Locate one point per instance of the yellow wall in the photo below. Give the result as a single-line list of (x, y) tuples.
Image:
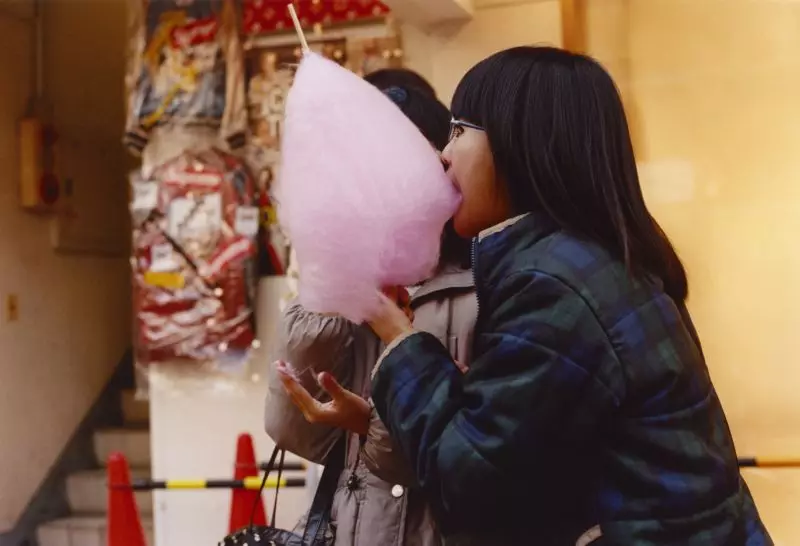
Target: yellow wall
[(712, 87), (73, 311), (713, 93)]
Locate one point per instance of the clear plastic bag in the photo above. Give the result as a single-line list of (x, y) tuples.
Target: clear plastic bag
[(195, 222), (184, 68)]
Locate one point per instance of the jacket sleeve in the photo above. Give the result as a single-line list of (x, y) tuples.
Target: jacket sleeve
[(383, 457), (483, 440), (308, 340)]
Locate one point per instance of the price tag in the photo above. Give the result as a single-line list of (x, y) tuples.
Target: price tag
[(145, 196), (162, 258), (247, 219), (173, 281), (195, 218)]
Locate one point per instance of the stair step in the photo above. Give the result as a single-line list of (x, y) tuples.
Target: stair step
[(135, 411), (134, 443), (88, 495), (82, 531)]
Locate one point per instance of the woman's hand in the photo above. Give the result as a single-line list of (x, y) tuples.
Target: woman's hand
[(390, 321), (399, 295), (346, 409)]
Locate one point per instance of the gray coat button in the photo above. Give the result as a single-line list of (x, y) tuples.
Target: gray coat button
[(397, 491)]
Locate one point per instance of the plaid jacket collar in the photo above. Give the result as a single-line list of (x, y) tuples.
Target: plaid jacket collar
[(495, 253), (497, 228)]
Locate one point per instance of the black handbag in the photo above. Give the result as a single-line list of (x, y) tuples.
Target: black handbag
[(316, 529)]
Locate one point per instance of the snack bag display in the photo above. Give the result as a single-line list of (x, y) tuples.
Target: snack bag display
[(194, 244), (185, 68)]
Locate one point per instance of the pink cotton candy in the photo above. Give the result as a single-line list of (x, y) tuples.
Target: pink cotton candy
[(362, 194)]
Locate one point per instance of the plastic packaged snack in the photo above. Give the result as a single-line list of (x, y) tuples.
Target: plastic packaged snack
[(195, 222), (185, 68)]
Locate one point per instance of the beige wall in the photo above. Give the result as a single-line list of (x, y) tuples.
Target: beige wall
[(443, 55), (712, 88), (73, 322)]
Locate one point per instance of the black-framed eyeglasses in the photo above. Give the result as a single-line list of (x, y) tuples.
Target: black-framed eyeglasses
[(457, 127)]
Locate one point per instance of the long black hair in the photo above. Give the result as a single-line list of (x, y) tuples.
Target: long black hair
[(560, 140)]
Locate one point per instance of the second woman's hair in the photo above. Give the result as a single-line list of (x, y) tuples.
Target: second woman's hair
[(560, 140), (401, 77), (425, 111), (432, 118)]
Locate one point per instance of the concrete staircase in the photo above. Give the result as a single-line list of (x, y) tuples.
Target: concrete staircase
[(86, 491)]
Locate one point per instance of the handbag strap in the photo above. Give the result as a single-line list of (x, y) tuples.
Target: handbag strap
[(267, 471), (320, 513), (278, 486)]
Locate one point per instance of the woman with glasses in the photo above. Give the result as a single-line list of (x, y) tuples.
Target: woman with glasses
[(587, 415), (323, 394)]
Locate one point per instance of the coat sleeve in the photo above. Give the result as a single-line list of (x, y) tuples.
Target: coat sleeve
[(383, 457), (380, 452), (308, 340), (480, 441)]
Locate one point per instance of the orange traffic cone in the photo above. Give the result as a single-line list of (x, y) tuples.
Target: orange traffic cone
[(242, 500), (124, 525)]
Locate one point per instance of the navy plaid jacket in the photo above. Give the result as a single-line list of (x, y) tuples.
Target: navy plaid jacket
[(587, 402)]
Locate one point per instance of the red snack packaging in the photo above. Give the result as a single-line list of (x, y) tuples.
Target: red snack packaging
[(194, 244)]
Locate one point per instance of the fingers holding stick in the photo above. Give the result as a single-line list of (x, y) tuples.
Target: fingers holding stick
[(400, 296), (345, 409), (312, 409)]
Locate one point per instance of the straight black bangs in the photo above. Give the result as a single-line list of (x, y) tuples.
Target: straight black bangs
[(473, 93), (491, 88)]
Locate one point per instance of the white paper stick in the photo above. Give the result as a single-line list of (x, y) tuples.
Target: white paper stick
[(298, 28)]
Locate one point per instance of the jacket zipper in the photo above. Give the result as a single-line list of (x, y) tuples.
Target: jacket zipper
[(474, 264)]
